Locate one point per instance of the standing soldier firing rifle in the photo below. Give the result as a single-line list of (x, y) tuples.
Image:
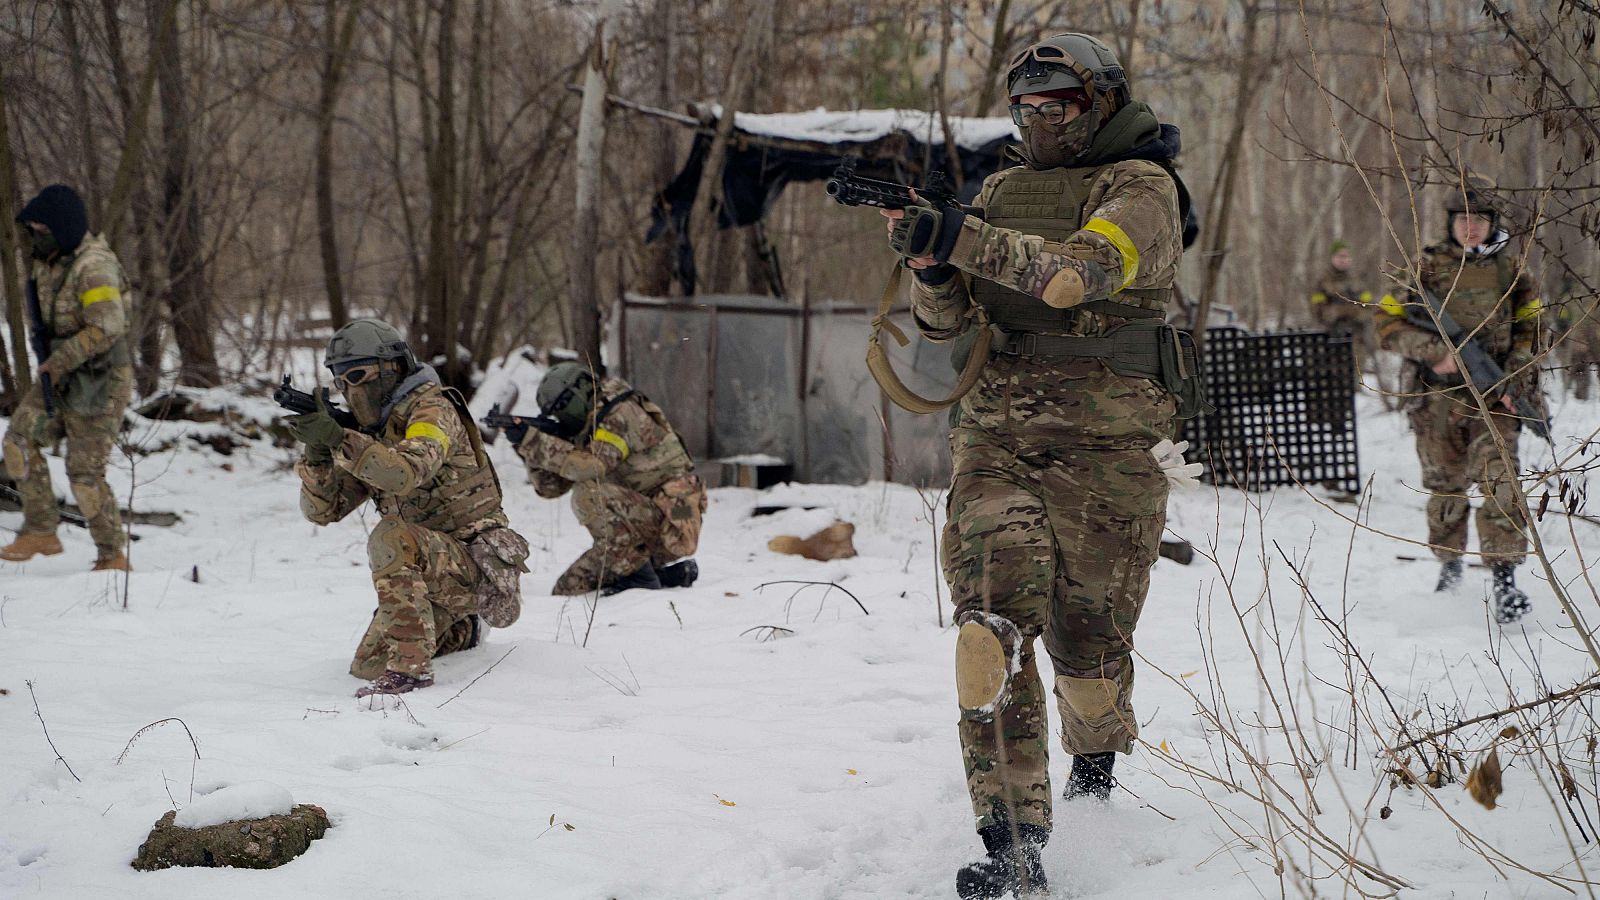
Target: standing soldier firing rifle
[(1062, 447)]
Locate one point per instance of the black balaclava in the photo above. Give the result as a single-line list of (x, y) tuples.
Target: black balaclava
[(61, 210)]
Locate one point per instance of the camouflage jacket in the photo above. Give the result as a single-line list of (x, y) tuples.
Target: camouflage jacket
[(628, 442), (83, 301), (424, 467), (1048, 407), (1485, 293), (1336, 299), (1131, 238)]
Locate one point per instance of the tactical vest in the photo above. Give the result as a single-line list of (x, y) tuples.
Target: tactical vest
[(646, 469), (1051, 203), (1479, 293), (465, 491)]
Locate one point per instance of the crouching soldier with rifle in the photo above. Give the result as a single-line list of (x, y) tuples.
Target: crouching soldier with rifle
[(633, 485), (80, 335), (443, 552), (1490, 314)]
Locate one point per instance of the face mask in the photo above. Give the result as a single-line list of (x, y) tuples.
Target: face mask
[(366, 400), (44, 245), (1050, 146)]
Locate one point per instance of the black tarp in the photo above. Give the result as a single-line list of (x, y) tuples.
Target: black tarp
[(758, 168)]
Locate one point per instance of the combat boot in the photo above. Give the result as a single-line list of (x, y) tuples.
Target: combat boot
[(395, 683), (644, 577), (1449, 575), (1510, 602), (1091, 777), (28, 545), (682, 573), (1011, 867), (118, 563)]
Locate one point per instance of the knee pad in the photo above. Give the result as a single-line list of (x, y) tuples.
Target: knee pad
[(16, 456), (392, 546), (1450, 507), (988, 654), (1091, 698), (91, 497)]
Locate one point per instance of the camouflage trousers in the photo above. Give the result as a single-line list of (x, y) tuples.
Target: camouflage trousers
[(426, 587), (1059, 548), (89, 441), (1457, 450), (630, 529)]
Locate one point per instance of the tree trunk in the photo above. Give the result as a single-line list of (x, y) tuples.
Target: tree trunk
[(661, 257), (186, 292), (130, 179), (337, 38), (18, 381), (584, 300), (708, 199), (441, 263), (90, 188), (1227, 171), (999, 52)]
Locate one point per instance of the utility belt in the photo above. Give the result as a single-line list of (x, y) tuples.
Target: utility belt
[(1143, 349), (1162, 353)]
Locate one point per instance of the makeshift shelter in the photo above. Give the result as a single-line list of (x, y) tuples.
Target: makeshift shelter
[(767, 152), (747, 376)]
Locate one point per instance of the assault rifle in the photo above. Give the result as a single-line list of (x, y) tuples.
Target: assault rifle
[(1486, 374), (851, 189), (498, 421), (300, 403), (14, 501), (39, 337)]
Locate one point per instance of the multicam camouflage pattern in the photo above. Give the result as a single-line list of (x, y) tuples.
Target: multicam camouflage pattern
[(633, 488), (1458, 450), (83, 305), (424, 468), (1489, 297), (1056, 504), (1340, 306), (1138, 198), (426, 586)]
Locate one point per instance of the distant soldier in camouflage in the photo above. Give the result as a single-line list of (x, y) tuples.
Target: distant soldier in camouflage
[(1575, 335), (1057, 502), (1341, 306), (633, 485), (85, 312), (443, 549), (1480, 281)]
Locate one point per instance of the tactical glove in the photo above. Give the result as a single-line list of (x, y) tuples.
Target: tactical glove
[(1169, 457), (318, 431), (515, 432), (925, 231)]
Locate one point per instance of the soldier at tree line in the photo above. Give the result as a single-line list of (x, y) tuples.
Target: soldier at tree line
[(1340, 304), (1058, 498), (85, 313), (633, 484), (1478, 277), (443, 551)]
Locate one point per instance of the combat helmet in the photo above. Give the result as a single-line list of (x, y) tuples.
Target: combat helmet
[(368, 339), (1062, 63), (369, 359), (1477, 196), (567, 393)]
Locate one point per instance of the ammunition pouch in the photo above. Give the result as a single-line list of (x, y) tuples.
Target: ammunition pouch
[(1161, 353)]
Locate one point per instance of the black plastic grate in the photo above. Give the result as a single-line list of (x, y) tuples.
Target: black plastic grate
[(1285, 411)]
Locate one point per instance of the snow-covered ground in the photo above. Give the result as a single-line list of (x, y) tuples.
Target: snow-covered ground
[(684, 752)]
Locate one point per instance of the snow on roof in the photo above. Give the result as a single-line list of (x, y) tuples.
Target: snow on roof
[(864, 125)]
